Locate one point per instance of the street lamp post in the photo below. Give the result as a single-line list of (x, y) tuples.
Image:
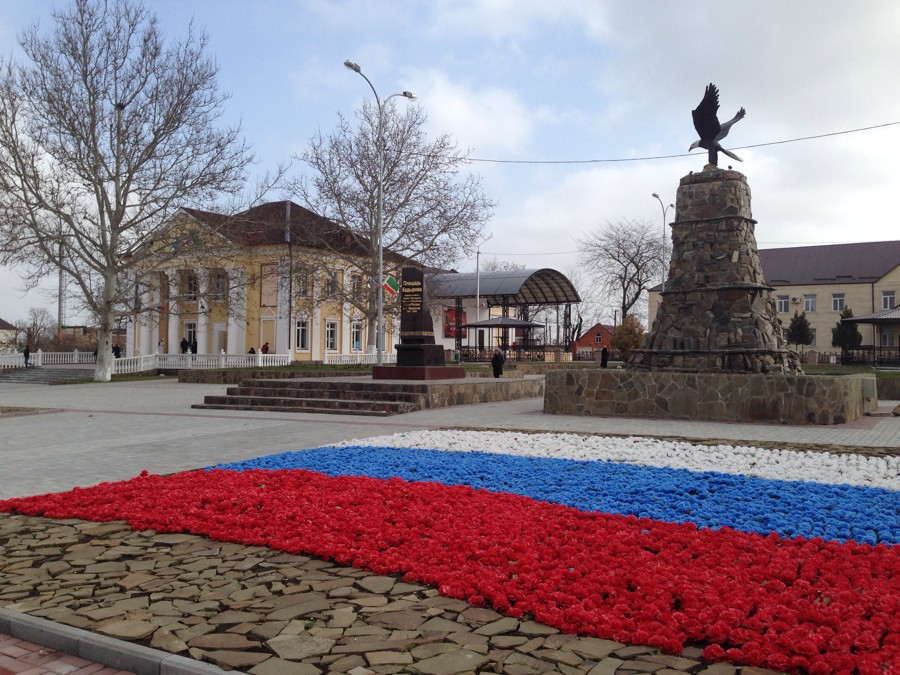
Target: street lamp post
[(379, 325), (665, 210)]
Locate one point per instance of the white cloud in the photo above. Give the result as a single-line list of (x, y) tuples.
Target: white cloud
[(490, 121)]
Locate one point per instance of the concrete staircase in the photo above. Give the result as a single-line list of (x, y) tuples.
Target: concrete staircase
[(363, 396), (45, 375)]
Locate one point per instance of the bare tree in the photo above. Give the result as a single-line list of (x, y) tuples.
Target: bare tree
[(498, 265), (433, 213), (105, 131), (39, 328), (623, 259)]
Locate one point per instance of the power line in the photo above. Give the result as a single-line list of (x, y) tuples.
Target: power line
[(686, 154)]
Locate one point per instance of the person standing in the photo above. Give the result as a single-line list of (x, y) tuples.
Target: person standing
[(27, 354), (265, 348), (604, 357), (497, 361), (184, 345)]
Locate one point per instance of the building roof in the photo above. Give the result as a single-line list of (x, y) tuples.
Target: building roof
[(6, 325), (884, 317), (516, 287), (859, 263), (270, 224)]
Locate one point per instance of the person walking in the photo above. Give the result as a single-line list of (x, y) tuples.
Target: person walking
[(265, 348), (497, 361), (27, 354)]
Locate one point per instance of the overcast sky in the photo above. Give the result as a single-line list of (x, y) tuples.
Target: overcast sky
[(579, 95)]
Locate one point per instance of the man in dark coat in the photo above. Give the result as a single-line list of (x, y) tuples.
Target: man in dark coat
[(497, 361)]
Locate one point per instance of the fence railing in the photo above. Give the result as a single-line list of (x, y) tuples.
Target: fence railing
[(539, 353), (12, 360), (872, 356), (140, 364), (358, 358)]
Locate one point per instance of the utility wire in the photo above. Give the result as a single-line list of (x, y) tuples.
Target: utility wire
[(686, 154)]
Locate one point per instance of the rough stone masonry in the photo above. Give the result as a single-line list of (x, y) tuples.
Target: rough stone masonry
[(717, 314)]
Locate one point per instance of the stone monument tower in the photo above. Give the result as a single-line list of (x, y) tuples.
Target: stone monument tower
[(717, 313)]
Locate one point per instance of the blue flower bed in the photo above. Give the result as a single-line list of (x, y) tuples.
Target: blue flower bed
[(707, 499)]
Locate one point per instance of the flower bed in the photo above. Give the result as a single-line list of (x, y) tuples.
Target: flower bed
[(564, 539)]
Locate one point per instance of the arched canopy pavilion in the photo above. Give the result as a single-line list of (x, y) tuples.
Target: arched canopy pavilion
[(521, 289)]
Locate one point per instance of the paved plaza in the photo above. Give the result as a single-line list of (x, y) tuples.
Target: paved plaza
[(84, 434), (88, 433)]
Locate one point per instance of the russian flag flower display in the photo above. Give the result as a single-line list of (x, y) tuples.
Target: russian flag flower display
[(779, 559)]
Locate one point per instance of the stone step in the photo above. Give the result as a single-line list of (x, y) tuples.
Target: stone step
[(309, 405), (325, 392), (312, 384), (44, 375), (358, 396)]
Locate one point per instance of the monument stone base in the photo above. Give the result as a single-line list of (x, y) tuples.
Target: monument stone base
[(720, 397), (420, 355)]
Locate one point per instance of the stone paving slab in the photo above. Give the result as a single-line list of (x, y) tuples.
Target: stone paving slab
[(181, 602)]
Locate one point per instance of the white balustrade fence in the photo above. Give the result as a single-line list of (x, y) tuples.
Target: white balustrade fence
[(14, 360), (139, 364), (65, 358)]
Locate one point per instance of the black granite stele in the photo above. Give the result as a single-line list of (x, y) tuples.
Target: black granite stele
[(418, 357)]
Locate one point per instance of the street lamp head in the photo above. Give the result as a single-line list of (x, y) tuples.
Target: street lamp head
[(350, 65), (411, 96), (653, 195)]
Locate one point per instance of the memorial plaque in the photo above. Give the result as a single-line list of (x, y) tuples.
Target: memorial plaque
[(416, 325)]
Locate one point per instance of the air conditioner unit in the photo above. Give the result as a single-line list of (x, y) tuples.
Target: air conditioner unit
[(795, 299)]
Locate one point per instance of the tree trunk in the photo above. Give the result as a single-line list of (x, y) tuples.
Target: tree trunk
[(107, 316)]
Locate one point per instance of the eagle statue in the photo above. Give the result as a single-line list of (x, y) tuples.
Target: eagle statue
[(706, 122)]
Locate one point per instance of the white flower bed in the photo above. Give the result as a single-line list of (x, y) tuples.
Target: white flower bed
[(819, 467)]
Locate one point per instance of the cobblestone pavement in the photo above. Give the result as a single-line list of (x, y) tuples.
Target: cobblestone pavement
[(266, 612), (258, 610)]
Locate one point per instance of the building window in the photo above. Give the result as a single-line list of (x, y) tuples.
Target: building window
[(268, 286), (219, 286), (331, 284), (301, 282), (837, 302), (784, 304), (887, 338), (809, 303), (191, 286), (598, 338), (356, 285), (302, 338), (331, 335), (812, 337), (356, 336), (888, 300)]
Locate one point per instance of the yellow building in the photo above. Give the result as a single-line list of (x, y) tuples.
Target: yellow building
[(824, 280), (276, 276)]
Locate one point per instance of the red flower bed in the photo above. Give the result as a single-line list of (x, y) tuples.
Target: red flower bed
[(787, 604)]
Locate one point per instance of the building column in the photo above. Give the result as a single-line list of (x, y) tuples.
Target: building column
[(144, 319), (316, 350), (236, 333), (283, 307), (202, 311), (155, 291), (174, 337)]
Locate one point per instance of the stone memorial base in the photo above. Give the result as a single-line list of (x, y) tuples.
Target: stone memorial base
[(721, 397), (399, 372), (420, 355)]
